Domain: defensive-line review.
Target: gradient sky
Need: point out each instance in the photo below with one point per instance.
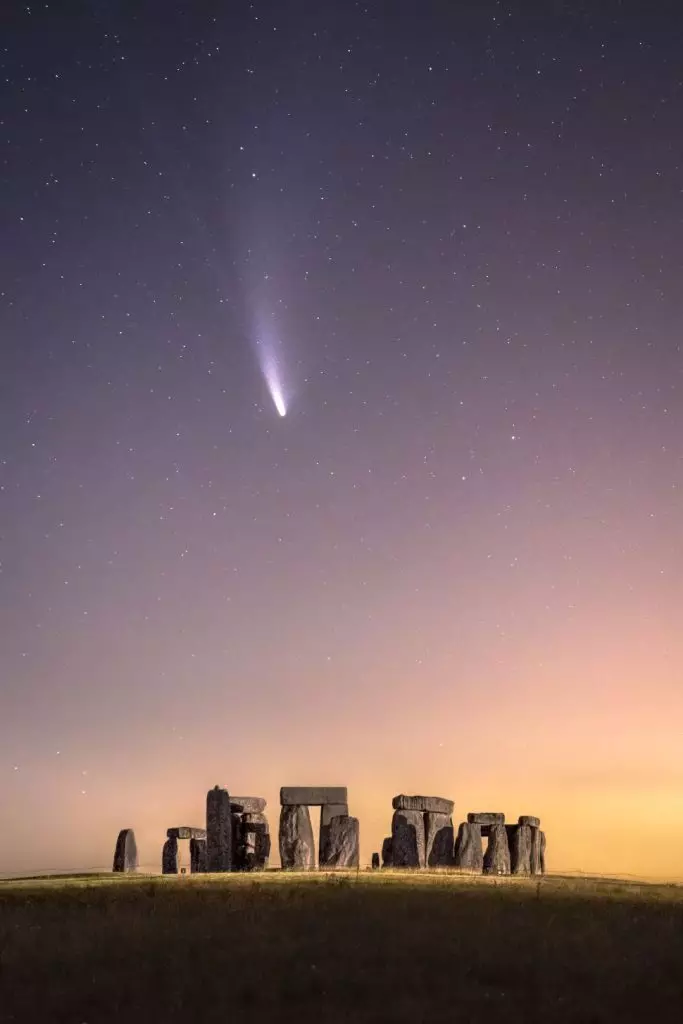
(456, 565)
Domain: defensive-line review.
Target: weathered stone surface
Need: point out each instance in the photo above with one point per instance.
(528, 819)
(197, 856)
(247, 804)
(408, 839)
(439, 840)
(218, 830)
(342, 843)
(297, 851)
(436, 804)
(497, 856)
(255, 841)
(186, 832)
(375, 861)
(126, 851)
(486, 818)
(169, 857)
(313, 796)
(519, 838)
(469, 849)
(387, 852)
(327, 813)
(537, 855)
(237, 842)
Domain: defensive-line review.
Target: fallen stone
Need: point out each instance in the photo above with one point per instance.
(255, 842)
(375, 861)
(247, 804)
(469, 849)
(169, 857)
(218, 830)
(312, 796)
(327, 813)
(387, 853)
(436, 804)
(519, 839)
(497, 856)
(296, 838)
(528, 819)
(342, 845)
(197, 856)
(486, 818)
(408, 839)
(126, 851)
(439, 840)
(186, 832)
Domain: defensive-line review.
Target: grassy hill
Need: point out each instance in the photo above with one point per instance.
(375, 947)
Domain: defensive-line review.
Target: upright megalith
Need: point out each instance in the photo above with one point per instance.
(439, 840)
(342, 843)
(388, 852)
(327, 813)
(255, 842)
(469, 848)
(519, 837)
(297, 850)
(497, 856)
(126, 851)
(218, 830)
(408, 839)
(169, 857)
(537, 853)
(375, 862)
(197, 856)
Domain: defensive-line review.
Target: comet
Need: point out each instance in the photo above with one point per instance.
(272, 376)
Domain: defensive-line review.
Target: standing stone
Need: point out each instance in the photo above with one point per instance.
(255, 842)
(541, 857)
(408, 839)
(327, 813)
(469, 849)
(486, 818)
(537, 856)
(169, 857)
(197, 856)
(218, 830)
(297, 849)
(438, 839)
(342, 843)
(497, 856)
(375, 862)
(520, 850)
(126, 851)
(237, 842)
(387, 852)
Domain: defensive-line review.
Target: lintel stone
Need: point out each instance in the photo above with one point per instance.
(313, 796)
(185, 832)
(435, 804)
(486, 818)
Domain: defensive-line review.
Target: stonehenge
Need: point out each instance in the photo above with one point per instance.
(236, 837)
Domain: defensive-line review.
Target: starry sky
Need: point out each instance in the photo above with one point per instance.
(449, 238)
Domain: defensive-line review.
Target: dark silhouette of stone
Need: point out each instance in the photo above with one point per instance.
(296, 838)
(528, 819)
(387, 853)
(486, 818)
(247, 804)
(519, 838)
(497, 856)
(186, 832)
(327, 812)
(439, 840)
(408, 839)
(541, 857)
(197, 856)
(169, 857)
(237, 842)
(469, 849)
(126, 851)
(255, 842)
(313, 795)
(342, 843)
(218, 830)
(375, 861)
(436, 804)
(537, 856)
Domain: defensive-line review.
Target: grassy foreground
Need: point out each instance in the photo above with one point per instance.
(328, 948)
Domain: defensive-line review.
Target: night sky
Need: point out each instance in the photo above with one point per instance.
(449, 238)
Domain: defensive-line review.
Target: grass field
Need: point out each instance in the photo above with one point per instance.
(384, 947)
